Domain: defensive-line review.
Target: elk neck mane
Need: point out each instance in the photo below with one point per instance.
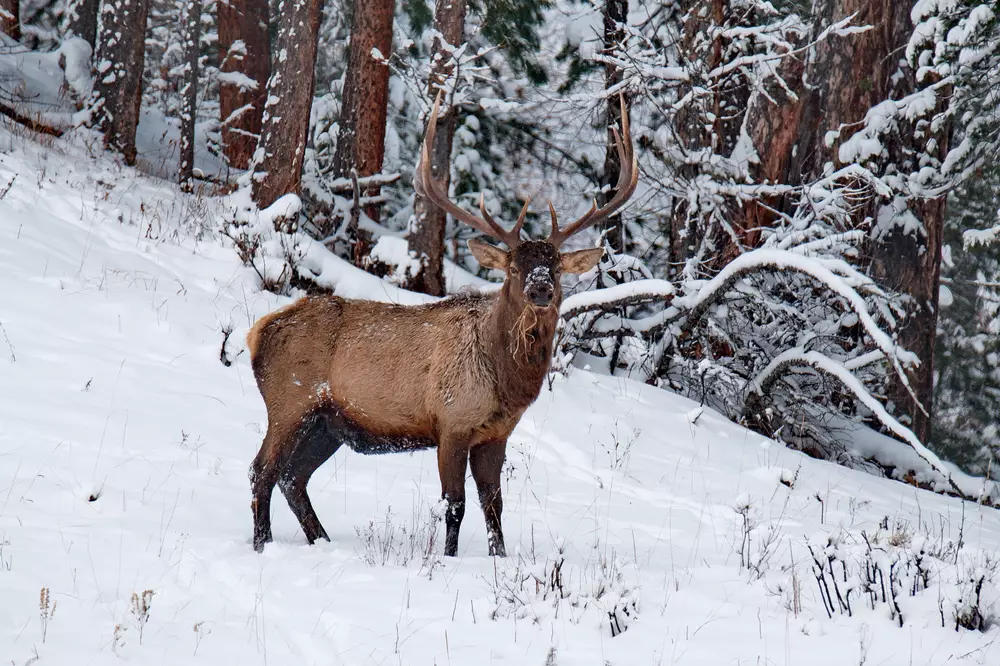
(518, 338)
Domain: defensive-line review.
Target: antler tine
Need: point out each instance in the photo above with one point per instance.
(482, 210)
(516, 231)
(555, 220)
(628, 179)
(432, 190)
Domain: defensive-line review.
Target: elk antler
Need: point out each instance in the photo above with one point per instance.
(628, 178)
(434, 191)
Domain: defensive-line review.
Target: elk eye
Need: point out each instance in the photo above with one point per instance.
(514, 270)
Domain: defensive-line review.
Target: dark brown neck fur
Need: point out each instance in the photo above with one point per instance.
(519, 339)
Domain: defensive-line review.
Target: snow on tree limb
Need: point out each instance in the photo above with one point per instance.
(629, 293)
(763, 259)
(799, 357)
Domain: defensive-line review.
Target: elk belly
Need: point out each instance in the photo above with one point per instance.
(342, 429)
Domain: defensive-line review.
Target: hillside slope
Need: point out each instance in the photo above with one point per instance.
(642, 529)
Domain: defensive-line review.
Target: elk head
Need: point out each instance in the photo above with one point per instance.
(532, 267)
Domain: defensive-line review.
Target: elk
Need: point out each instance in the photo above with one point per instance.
(456, 374)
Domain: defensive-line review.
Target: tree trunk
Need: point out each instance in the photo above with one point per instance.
(285, 126)
(690, 231)
(189, 92)
(245, 50)
(854, 74)
(10, 18)
(426, 238)
(615, 16)
(81, 20)
(912, 266)
(118, 86)
(365, 101)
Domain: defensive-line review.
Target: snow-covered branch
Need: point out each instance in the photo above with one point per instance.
(799, 357)
(782, 260)
(622, 295)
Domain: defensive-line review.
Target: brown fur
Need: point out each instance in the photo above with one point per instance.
(456, 374)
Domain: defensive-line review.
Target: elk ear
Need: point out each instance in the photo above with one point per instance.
(489, 256)
(580, 261)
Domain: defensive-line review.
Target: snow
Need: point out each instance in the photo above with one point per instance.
(75, 53)
(125, 443)
(34, 79)
(238, 79)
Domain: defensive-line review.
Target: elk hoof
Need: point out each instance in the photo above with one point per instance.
(314, 538)
(259, 542)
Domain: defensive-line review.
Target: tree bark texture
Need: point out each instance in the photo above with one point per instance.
(118, 86)
(285, 125)
(189, 92)
(81, 20)
(615, 16)
(10, 18)
(365, 100)
(245, 48)
(426, 238)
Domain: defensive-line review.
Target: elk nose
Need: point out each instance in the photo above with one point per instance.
(540, 294)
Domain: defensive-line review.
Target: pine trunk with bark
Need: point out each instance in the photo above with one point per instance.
(81, 20)
(365, 100)
(245, 50)
(118, 85)
(189, 92)
(615, 16)
(285, 125)
(10, 18)
(852, 75)
(426, 237)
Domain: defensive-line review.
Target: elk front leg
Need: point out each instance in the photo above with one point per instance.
(486, 461)
(452, 462)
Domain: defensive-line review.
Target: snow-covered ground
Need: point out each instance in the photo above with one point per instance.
(125, 443)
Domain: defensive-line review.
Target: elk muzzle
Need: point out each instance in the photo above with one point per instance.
(539, 287)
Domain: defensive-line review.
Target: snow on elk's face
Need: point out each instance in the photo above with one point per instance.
(534, 272)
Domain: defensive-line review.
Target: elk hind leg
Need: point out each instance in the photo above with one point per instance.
(486, 461)
(264, 473)
(314, 445)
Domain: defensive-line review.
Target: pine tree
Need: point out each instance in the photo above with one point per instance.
(363, 111)
(245, 50)
(81, 20)
(277, 162)
(967, 361)
(615, 18)
(427, 233)
(189, 92)
(119, 61)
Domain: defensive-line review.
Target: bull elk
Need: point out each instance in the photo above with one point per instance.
(456, 374)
